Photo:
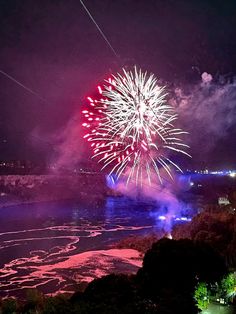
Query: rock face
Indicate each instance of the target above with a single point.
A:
(27, 188)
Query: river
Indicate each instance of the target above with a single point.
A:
(54, 246)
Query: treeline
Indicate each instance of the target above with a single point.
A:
(216, 227)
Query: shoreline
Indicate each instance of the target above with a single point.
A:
(47, 200)
(29, 189)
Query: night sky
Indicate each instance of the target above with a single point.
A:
(54, 49)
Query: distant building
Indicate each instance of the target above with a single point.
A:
(223, 200)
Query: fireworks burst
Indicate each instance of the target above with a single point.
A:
(130, 126)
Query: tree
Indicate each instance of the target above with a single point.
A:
(175, 267)
(9, 306)
(228, 286)
(57, 305)
(215, 228)
(109, 294)
(179, 265)
(201, 295)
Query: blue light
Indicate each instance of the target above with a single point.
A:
(162, 217)
(183, 219)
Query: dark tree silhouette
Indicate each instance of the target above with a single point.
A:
(215, 228)
(173, 268)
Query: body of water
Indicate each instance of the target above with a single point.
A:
(54, 246)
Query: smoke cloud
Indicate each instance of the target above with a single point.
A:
(207, 110)
(69, 145)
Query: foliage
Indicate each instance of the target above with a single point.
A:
(57, 305)
(9, 306)
(228, 286)
(215, 228)
(179, 265)
(201, 295)
(35, 301)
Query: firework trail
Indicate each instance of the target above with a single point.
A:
(130, 127)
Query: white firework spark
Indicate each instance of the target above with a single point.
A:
(131, 126)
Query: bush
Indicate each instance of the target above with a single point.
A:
(9, 306)
(201, 295)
